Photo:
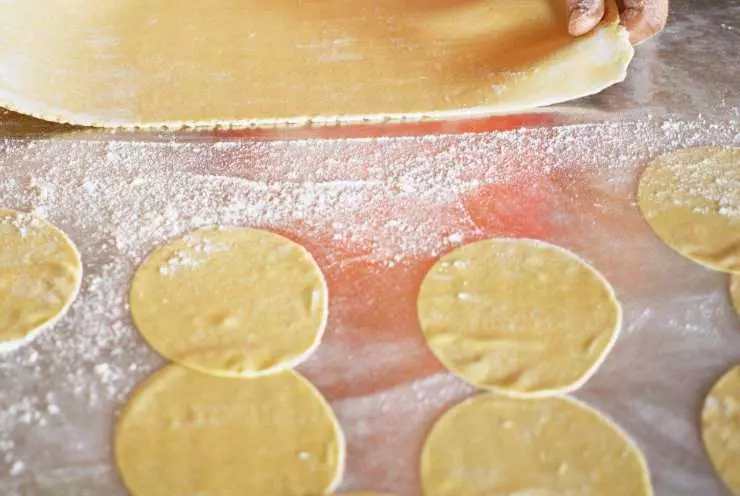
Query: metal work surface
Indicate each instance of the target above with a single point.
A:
(376, 206)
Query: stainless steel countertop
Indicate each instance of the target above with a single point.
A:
(375, 212)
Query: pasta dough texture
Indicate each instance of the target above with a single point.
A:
(183, 432)
(492, 444)
(518, 316)
(691, 199)
(134, 63)
(720, 424)
(232, 302)
(40, 275)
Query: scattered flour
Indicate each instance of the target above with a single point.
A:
(384, 202)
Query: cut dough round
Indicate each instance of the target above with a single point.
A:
(720, 426)
(735, 291)
(40, 275)
(184, 432)
(233, 302)
(518, 316)
(114, 63)
(691, 199)
(492, 444)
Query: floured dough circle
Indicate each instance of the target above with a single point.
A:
(720, 422)
(691, 199)
(184, 432)
(492, 444)
(735, 292)
(232, 302)
(40, 275)
(518, 316)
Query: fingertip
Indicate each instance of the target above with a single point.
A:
(584, 17)
(643, 25)
(578, 25)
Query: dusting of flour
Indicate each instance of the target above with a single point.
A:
(380, 201)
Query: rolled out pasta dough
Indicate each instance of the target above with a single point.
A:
(233, 302)
(691, 199)
(492, 444)
(518, 316)
(40, 275)
(137, 63)
(720, 422)
(184, 432)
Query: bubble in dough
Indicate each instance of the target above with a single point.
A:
(691, 199)
(153, 63)
(232, 302)
(492, 444)
(735, 292)
(720, 427)
(184, 432)
(518, 316)
(40, 275)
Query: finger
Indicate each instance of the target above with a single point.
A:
(584, 15)
(644, 18)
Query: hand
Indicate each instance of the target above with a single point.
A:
(642, 18)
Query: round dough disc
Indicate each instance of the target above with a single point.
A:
(40, 275)
(720, 426)
(691, 199)
(184, 432)
(492, 444)
(735, 291)
(232, 302)
(518, 316)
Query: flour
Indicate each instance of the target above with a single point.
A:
(380, 204)
(22, 222)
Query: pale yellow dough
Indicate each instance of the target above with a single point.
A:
(40, 274)
(518, 316)
(720, 426)
(246, 62)
(233, 302)
(691, 199)
(187, 433)
(494, 445)
(735, 292)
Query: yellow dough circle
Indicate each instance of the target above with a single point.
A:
(691, 199)
(735, 292)
(232, 302)
(40, 275)
(228, 62)
(720, 426)
(184, 432)
(493, 444)
(518, 316)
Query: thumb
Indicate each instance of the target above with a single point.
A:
(584, 15)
